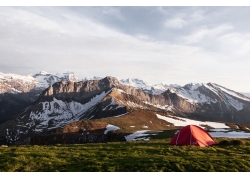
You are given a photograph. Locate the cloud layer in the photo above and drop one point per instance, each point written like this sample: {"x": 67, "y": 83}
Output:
{"x": 158, "y": 44}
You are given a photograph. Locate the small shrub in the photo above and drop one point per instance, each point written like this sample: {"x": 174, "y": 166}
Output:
{"x": 237, "y": 142}
{"x": 224, "y": 142}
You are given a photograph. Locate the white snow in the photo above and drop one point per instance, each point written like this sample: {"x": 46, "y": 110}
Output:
{"x": 146, "y": 87}
{"x": 110, "y": 127}
{"x": 133, "y": 137}
{"x": 230, "y": 97}
{"x": 7, "y": 76}
{"x": 227, "y": 133}
{"x": 64, "y": 112}
{"x": 185, "y": 122}
{"x": 132, "y": 104}
{"x": 136, "y": 83}
{"x": 121, "y": 114}
{"x": 219, "y": 130}
{"x": 44, "y": 79}
{"x": 93, "y": 78}
{"x": 121, "y": 91}
{"x": 234, "y": 102}
{"x": 230, "y": 134}
{"x": 41, "y": 80}
{"x": 232, "y": 93}
{"x": 193, "y": 95}
{"x": 112, "y": 105}
{"x": 166, "y": 107}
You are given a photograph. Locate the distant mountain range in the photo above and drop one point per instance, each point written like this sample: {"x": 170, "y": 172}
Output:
{"x": 35, "y": 104}
{"x": 18, "y": 92}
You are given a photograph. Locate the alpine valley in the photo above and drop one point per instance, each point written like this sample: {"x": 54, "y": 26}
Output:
{"x": 49, "y": 108}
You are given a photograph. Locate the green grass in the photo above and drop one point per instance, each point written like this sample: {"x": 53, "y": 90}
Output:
{"x": 155, "y": 155}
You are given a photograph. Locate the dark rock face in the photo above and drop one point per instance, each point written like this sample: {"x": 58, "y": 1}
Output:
{"x": 3, "y": 140}
{"x": 12, "y": 104}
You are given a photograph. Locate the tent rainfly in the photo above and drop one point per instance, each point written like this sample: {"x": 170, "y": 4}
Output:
{"x": 192, "y": 135}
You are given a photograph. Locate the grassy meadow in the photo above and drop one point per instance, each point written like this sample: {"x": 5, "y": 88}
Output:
{"x": 155, "y": 155}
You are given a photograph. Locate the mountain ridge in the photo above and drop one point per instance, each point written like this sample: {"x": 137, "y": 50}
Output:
{"x": 69, "y": 101}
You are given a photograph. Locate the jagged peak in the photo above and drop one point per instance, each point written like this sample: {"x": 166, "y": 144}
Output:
{"x": 43, "y": 72}
{"x": 112, "y": 80}
{"x": 193, "y": 86}
{"x": 133, "y": 80}
{"x": 93, "y": 78}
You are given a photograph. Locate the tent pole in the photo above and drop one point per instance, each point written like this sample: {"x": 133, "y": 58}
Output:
{"x": 177, "y": 137}
{"x": 190, "y": 136}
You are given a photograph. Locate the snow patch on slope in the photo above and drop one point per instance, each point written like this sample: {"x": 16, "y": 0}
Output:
{"x": 135, "y": 135}
{"x": 63, "y": 112}
{"x": 112, "y": 106}
{"x": 186, "y": 121}
{"x": 192, "y": 94}
{"x": 230, "y": 97}
{"x": 166, "y": 107}
{"x": 229, "y": 134}
{"x": 232, "y": 93}
{"x": 110, "y": 127}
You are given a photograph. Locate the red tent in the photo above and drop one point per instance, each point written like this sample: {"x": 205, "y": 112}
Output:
{"x": 192, "y": 135}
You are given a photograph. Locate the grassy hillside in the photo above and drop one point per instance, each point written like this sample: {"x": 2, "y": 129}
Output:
{"x": 137, "y": 156}
{"x": 129, "y": 123}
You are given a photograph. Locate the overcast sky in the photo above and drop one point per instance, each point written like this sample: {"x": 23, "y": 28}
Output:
{"x": 169, "y": 44}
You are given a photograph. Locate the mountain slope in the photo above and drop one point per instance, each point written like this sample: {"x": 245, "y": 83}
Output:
{"x": 18, "y": 92}
{"x": 64, "y": 102}
{"x": 246, "y": 94}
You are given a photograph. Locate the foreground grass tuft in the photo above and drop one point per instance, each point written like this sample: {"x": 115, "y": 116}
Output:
{"x": 235, "y": 142}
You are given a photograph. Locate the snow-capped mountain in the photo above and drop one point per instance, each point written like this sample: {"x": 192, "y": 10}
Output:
{"x": 194, "y": 93}
{"x": 92, "y": 78}
{"x": 146, "y": 87}
{"x": 18, "y": 92}
{"x": 14, "y": 83}
{"x": 44, "y": 79}
{"x": 207, "y": 93}
{"x": 136, "y": 83}
{"x": 66, "y": 102}
{"x": 65, "y": 99}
